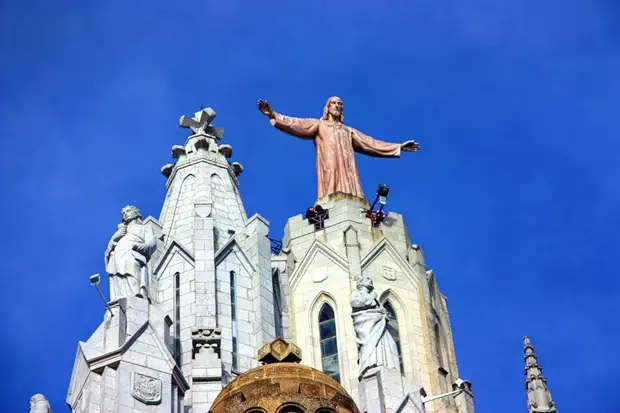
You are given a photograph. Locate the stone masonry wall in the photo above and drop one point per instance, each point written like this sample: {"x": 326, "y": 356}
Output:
{"x": 323, "y": 265}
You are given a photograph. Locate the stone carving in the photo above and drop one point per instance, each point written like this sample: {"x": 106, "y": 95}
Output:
{"x": 146, "y": 389}
{"x": 166, "y": 170}
{"x": 225, "y": 150}
{"x": 127, "y": 255}
{"x": 39, "y": 404}
{"x": 201, "y": 123}
{"x": 388, "y": 273}
{"x": 320, "y": 275}
{"x": 203, "y": 207}
{"x": 206, "y": 339}
{"x": 279, "y": 351}
{"x": 335, "y": 146}
{"x": 376, "y": 346}
{"x": 237, "y": 168}
{"x": 178, "y": 151}
{"x": 202, "y": 144}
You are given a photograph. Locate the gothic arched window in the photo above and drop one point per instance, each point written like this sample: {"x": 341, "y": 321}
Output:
{"x": 393, "y": 329}
{"x": 277, "y": 303}
{"x": 233, "y": 313}
{"x": 438, "y": 349}
{"x": 291, "y": 408}
{"x": 329, "y": 342}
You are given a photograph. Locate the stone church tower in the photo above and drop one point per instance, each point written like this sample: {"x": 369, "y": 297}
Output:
{"x": 322, "y": 263}
{"x": 217, "y": 292}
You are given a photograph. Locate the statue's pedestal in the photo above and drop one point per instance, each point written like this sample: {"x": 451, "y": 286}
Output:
{"x": 128, "y": 315}
{"x": 384, "y": 390}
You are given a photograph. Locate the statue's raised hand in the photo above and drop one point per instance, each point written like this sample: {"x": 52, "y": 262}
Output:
{"x": 410, "y": 146}
{"x": 265, "y": 108}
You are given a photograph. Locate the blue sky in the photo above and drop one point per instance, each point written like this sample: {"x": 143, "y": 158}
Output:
{"x": 514, "y": 196}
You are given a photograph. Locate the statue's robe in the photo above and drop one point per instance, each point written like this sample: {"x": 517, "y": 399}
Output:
{"x": 128, "y": 267}
{"x": 377, "y": 347}
{"x": 335, "y": 146}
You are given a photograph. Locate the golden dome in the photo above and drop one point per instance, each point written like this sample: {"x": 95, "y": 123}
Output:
{"x": 283, "y": 387}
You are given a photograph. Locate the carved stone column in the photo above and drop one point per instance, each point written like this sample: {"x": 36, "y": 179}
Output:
{"x": 206, "y": 367}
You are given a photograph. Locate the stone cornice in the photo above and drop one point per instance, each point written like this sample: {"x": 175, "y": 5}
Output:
{"x": 208, "y": 158}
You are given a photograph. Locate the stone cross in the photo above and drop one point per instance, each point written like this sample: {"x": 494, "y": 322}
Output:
{"x": 201, "y": 123}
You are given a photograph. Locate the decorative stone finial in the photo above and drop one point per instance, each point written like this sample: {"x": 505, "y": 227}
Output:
{"x": 206, "y": 339}
{"x": 538, "y": 396}
{"x": 282, "y": 384}
{"x": 225, "y": 150}
{"x": 237, "y": 168}
{"x": 166, "y": 170}
{"x": 279, "y": 351}
{"x": 201, "y": 123}
{"x": 39, "y": 404}
{"x": 178, "y": 151}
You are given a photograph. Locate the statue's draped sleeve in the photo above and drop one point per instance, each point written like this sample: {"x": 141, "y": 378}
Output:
{"x": 365, "y": 144}
{"x": 150, "y": 243}
{"x": 302, "y": 128}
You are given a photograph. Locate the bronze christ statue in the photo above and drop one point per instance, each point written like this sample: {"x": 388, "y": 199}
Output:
{"x": 335, "y": 146}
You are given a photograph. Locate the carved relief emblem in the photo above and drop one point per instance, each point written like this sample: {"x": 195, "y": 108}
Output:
{"x": 319, "y": 277}
{"x": 146, "y": 389}
{"x": 203, "y": 207}
{"x": 388, "y": 273}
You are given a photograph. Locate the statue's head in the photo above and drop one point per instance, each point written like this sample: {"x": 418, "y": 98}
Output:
{"x": 129, "y": 213}
{"x": 365, "y": 283}
{"x": 39, "y": 404}
{"x": 334, "y": 108}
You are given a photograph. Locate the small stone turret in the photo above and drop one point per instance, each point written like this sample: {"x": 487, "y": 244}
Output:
{"x": 538, "y": 396}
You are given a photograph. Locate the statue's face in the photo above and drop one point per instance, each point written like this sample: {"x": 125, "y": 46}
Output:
{"x": 334, "y": 107}
{"x": 129, "y": 214}
{"x": 365, "y": 284}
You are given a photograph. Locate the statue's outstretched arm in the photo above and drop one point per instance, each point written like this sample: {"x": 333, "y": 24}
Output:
{"x": 365, "y": 144}
{"x": 300, "y": 127}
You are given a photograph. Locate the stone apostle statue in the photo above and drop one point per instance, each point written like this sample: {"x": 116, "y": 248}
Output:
{"x": 335, "y": 146}
{"x": 127, "y": 255}
{"x": 39, "y": 404}
{"x": 377, "y": 347}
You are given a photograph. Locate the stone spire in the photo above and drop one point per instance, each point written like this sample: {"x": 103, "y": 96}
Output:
{"x": 202, "y": 182}
{"x": 538, "y": 395}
